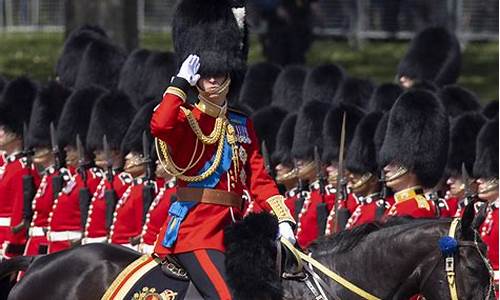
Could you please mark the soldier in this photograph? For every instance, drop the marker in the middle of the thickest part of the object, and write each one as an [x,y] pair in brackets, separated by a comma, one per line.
[213,170]
[433,55]
[486,170]
[463,134]
[414,152]
[361,163]
[111,118]
[384,96]
[44,116]
[322,82]
[15,108]
[307,137]
[132,75]
[287,90]
[129,215]
[355,91]
[458,100]
[65,219]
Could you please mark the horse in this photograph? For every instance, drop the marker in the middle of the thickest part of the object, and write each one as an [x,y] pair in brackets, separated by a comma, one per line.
[394,260]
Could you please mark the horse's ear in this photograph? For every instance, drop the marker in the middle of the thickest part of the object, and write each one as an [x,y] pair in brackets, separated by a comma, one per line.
[467,228]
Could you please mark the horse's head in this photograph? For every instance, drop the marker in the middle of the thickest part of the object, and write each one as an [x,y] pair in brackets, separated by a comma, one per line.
[467,259]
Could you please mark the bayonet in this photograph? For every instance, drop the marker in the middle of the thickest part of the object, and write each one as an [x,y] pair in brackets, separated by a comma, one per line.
[319,172]
[29,188]
[267,160]
[148,189]
[109,159]
[146,155]
[82,163]
[84,196]
[57,180]
[468,194]
[341,182]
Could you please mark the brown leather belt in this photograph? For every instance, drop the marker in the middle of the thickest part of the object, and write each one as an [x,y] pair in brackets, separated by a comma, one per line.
[210,196]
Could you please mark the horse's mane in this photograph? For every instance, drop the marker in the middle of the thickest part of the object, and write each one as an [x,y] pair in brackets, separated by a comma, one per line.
[346,240]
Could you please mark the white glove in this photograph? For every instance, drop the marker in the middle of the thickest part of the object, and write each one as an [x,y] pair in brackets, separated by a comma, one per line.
[189,69]
[286,232]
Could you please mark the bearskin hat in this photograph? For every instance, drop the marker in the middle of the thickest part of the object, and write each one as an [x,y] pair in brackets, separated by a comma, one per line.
[284,141]
[308,130]
[75,116]
[16,104]
[379,136]
[434,54]
[322,82]
[384,97]
[111,116]
[46,109]
[457,100]
[425,85]
[215,30]
[160,67]
[355,91]
[133,75]
[486,163]
[101,65]
[417,136]
[464,130]
[132,141]
[287,90]
[267,122]
[362,156]
[69,61]
[332,128]
[490,110]
[257,89]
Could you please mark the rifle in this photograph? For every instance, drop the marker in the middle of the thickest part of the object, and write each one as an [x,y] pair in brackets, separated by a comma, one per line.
[29,188]
[469,200]
[302,187]
[84,196]
[321,208]
[267,160]
[148,190]
[57,179]
[379,213]
[341,214]
[109,192]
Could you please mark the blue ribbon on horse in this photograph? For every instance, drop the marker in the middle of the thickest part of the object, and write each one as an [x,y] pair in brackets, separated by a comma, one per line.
[179,209]
[448,245]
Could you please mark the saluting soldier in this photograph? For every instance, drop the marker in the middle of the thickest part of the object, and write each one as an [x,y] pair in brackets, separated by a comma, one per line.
[218,156]
[15,108]
[46,112]
[65,224]
[414,152]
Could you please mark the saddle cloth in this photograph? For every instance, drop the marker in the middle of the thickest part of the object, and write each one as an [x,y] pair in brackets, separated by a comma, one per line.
[144,279]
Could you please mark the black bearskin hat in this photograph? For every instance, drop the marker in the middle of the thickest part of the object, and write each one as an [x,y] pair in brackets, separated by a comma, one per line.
[322,82]
[101,65]
[362,156]
[72,53]
[215,31]
[284,141]
[287,90]
[490,110]
[112,114]
[355,91]
[3,83]
[266,122]
[308,130]
[486,163]
[457,100]
[46,109]
[75,116]
[417,136]
[16,104]
[379,136]
[332,128]
[434,54]
[384,97]
[463,134]
[257,89]
[132,141]
[160,67]
[133,76]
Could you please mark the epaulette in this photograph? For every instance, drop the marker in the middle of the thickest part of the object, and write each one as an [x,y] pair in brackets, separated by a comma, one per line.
[96,172]
[422,202]
[65,174]
[237,111]
[125,178]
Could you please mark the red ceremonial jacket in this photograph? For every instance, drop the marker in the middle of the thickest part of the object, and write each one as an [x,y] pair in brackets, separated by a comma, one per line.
[12,197]
[413,203]
[307,223]
[203,226]
[366,211]
[158,213]
[489,233]
[95,226]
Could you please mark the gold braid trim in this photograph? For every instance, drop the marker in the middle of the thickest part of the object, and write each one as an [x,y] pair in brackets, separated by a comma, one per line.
[279,208]
[176,91]
[214,136]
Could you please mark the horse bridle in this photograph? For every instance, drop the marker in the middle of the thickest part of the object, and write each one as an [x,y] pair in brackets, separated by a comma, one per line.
[450,263]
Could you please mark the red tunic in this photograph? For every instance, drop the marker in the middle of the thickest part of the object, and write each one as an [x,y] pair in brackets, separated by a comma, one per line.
[204,224]
[489,233]
[350,203]
[11,198]
[157,214]
[412,202]
[367,210]
[95,227]
[307,223]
